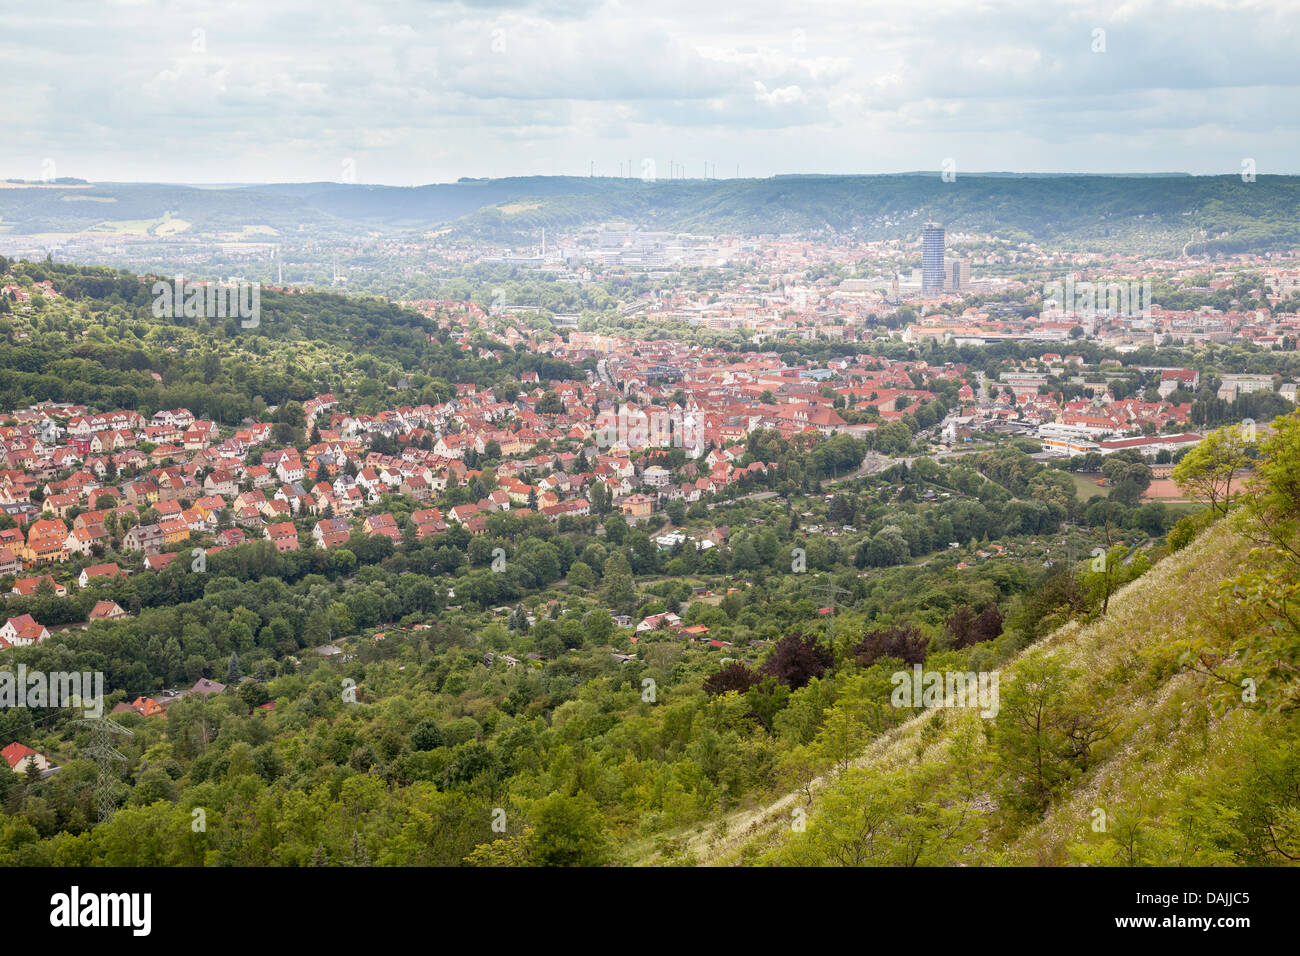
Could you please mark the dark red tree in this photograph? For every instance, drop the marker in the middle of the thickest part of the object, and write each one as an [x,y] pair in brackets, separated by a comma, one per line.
[732,677]
[967,628]
[989,624]
[961,626]
[797,659]
[904,641]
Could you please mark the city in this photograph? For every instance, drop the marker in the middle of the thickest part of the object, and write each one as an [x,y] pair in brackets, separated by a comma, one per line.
[602,439]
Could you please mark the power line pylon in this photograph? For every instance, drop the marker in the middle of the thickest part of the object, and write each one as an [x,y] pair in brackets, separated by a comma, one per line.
[105,755]
[832,591]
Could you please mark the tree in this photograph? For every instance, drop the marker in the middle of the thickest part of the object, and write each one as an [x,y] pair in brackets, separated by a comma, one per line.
[888,547]
[618,591]
[732,677]
[841,510]
[1209,468]
[902,641]
[966,628]
[923,815]
[598,625]
[581,575]
[796,659]
[568,831]
[989,624]
[550,403]
[600,498]
[1268,587]
[1128,478]
[676,511]
[961,626]
[1035,752]
[32,772]
[233,671]
[861,712]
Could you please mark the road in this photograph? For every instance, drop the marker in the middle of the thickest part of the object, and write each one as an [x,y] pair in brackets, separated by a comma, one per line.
[753,496]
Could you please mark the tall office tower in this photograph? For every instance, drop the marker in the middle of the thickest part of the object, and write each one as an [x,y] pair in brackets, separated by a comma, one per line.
[932,259]
[957,274]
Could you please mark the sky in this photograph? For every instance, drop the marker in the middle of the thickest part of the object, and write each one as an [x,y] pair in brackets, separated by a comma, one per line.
[407,92]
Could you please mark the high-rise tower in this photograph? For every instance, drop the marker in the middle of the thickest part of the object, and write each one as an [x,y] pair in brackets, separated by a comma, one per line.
[932,259]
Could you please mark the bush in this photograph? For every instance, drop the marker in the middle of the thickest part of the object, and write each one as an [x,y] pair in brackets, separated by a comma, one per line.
[1188,527]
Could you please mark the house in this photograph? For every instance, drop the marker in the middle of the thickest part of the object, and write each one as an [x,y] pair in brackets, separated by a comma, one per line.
[20,757]
[26,587]
[158,562]
[656,621]
[221,482]
[205,686]
[98,572]
[83,540]
[462,513]
[46,541]
[143,537]
[638,507]
[231,537]
[144,706]
[656,476]
[289,468]
[23,631]
[578,507]
[174,531]
[107,611]
[260,476]
[60,504]
[331,532]
[283,535]
[416,487]
[384,524]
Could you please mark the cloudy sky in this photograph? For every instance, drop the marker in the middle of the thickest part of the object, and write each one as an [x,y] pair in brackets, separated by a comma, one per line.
[420,91]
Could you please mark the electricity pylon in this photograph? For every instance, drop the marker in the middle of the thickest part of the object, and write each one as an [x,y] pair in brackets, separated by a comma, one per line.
[105,755]
[832,591]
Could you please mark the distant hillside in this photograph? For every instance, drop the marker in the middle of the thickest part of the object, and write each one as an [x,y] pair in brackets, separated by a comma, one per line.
[1176,769]
[1158,212]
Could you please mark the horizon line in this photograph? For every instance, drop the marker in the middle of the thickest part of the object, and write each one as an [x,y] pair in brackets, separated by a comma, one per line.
[466,180]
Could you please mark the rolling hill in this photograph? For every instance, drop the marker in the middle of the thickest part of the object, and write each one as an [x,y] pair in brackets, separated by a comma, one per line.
[1220,213]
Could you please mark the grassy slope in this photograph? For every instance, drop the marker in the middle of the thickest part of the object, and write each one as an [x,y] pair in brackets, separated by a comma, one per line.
[1168,733]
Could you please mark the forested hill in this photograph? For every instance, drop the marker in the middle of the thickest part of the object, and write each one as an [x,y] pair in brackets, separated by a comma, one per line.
[1161,733]
[1220,213]
[97,342]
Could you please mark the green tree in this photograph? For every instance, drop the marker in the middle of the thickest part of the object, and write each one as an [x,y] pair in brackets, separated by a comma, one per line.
[233,671]
[618,590]
[1035,735]
[568,831]
[1209,468]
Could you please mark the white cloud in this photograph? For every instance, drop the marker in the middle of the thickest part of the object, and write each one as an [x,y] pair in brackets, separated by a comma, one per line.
[423,90]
